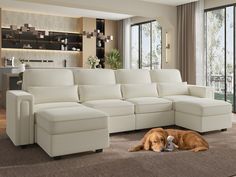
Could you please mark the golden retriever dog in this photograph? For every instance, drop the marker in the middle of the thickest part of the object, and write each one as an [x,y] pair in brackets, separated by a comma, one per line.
[156,140]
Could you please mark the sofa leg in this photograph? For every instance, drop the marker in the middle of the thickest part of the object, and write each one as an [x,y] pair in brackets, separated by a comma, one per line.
[23,146]
[57,158]
[99,150]
[224,129]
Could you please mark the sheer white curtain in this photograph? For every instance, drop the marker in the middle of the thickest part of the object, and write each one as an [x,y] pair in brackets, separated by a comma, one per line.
[200,44]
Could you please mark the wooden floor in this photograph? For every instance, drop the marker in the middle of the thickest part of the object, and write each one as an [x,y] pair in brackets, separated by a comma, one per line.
[2,120]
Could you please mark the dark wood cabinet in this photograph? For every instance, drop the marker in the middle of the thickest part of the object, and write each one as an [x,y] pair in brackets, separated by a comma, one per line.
[100,44]
[52,41]
[9,83]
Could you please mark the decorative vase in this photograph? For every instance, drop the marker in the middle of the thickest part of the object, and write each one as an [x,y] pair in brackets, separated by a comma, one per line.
[22,68]
[99,44]
[93,66]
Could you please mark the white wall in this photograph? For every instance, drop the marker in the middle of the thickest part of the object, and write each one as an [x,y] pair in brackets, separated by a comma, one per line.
[217,3]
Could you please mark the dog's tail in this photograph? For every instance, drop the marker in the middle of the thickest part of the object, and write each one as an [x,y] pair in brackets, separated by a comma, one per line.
[136,148]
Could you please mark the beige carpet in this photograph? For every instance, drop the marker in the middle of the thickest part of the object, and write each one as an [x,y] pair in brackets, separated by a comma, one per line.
[219,161]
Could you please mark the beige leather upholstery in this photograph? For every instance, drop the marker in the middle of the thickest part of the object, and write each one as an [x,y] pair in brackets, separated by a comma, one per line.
[150,104]
[82,128]
[70,119]
[139,90]
[165,75]
[112,107]
[47,78]
[43,106]
[203,123]
[168,89]
[20,119]
[99,92]
[64,126]
[203,107]
[98,89]
[54,94]
[201,91]
[149,109]
[134,76]
[176,98]
[203,114]
[94,77]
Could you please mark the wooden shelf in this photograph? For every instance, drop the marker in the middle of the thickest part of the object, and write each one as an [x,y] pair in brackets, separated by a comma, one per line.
[54,41]
[40,50]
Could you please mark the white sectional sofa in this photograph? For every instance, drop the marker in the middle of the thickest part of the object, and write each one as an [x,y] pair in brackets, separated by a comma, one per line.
[69,111]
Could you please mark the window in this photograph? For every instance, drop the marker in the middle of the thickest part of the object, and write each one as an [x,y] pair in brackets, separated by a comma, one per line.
[146,45]
[220,52]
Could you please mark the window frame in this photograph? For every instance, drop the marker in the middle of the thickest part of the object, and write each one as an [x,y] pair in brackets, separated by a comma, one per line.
[225,51]
[140,43]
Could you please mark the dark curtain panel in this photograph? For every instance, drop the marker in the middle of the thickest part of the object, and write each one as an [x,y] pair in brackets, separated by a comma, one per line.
[186,41]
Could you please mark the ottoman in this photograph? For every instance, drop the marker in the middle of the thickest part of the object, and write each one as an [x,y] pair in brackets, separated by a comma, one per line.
[68,130]
[203,115]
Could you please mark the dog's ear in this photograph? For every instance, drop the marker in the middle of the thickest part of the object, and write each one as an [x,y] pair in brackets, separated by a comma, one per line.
[150,132]
[165,134]
[147,144]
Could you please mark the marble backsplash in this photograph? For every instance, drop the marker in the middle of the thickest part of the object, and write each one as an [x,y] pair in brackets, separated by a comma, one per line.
[58,57]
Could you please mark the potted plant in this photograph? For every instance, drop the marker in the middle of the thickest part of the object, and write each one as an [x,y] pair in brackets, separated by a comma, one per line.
[93,61]
[113,59]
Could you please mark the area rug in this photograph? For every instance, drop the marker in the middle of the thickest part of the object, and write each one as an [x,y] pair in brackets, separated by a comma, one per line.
[116,161]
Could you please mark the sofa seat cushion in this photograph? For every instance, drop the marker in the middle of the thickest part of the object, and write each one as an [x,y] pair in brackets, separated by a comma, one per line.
[176,98]
[203,107]
[71,119]
[112,107]
[43,106]
[150,104]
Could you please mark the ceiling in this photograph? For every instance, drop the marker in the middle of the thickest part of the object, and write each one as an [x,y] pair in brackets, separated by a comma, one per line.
[85,8]
[170,2]
[47,9]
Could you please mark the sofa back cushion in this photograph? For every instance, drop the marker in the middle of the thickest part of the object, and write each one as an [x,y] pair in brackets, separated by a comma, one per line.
[165,75]
[94,77]
[54,94]
[99,92]
[168,89]
[139,90]
[47,78]
[133,76]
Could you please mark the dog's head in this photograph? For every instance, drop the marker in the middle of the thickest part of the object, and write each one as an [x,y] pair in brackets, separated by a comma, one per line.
[156,141]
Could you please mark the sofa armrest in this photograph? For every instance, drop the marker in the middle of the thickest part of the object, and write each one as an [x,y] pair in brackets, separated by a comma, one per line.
[19,117]
[201,91]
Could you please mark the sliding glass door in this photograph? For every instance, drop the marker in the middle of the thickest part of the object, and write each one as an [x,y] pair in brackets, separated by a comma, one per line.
[146,45]
[220,52]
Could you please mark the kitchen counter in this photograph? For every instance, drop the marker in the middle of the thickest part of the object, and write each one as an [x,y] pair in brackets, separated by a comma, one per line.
[2,67]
